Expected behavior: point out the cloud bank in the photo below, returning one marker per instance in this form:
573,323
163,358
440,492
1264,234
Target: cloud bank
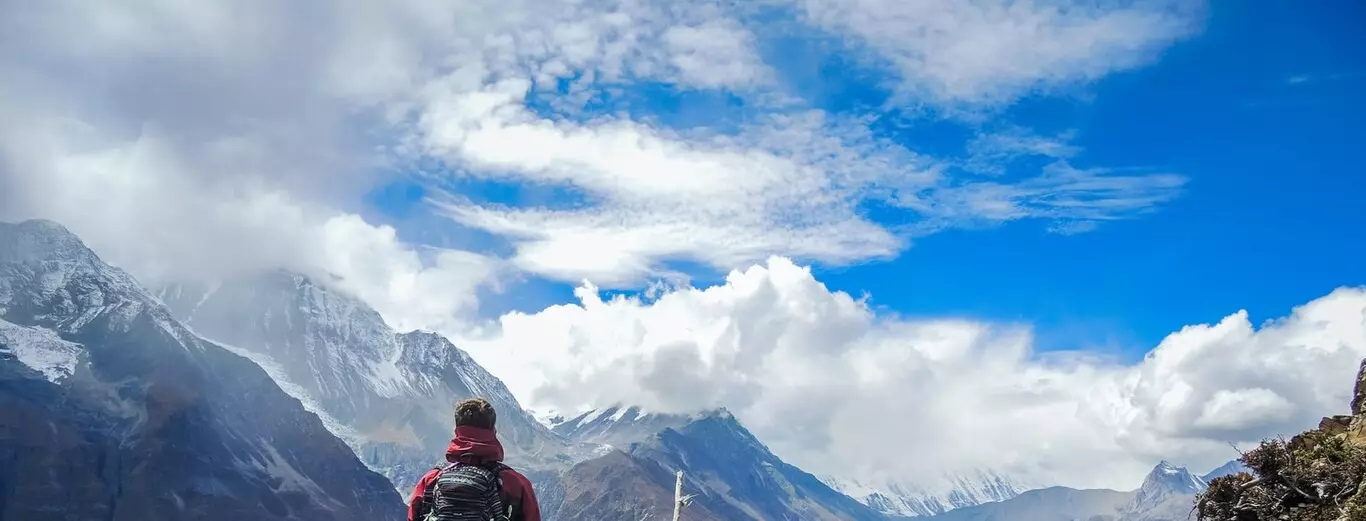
821,378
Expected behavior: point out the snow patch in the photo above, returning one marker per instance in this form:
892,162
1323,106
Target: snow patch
41,350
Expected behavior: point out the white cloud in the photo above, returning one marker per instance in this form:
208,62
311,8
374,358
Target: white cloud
1075,200
993,153
989,52
300,103
791,184
134,204
821,377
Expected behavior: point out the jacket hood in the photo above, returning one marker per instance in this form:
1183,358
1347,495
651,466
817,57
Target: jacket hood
474,444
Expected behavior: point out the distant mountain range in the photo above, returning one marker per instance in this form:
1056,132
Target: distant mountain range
1167,494
285,398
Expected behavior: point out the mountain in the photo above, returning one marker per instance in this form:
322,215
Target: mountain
733,475
620,426
1048,504
1168,494
951,492
111,409
390,394
1228,469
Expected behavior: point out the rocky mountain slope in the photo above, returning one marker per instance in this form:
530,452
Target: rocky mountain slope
733,475
111,409
389,393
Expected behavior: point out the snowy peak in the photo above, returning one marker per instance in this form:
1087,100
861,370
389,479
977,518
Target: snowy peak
621,425
950,492
1171,479
40,240
48,277
1167,490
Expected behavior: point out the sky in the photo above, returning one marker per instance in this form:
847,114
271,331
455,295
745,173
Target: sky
1131,225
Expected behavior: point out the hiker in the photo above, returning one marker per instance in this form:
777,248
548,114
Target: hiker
474,484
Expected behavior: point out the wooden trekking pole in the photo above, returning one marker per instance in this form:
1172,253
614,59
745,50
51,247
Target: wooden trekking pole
678,495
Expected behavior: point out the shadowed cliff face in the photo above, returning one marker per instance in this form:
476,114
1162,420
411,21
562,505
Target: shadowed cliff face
112,410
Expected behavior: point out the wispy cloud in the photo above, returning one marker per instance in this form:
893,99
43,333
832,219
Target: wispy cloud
950,52
993,153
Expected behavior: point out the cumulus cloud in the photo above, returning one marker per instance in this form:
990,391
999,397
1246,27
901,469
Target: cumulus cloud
990,52
821,377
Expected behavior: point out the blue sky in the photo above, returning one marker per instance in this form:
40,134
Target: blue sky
1264,124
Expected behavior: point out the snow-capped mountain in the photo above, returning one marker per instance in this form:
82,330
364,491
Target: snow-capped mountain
113,410
389,393
1167,493
619,426
1047,504
950,491
733,475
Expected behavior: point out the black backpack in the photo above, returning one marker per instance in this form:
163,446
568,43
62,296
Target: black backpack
467,492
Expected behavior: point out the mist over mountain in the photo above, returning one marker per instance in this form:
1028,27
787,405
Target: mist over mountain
111,409
390,394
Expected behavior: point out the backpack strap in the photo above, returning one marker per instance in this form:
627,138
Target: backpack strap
512,507
429,493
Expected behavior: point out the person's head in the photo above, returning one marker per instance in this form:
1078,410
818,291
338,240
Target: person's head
475,412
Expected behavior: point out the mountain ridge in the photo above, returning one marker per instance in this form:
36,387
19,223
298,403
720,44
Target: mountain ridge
392,391
730,472
95,369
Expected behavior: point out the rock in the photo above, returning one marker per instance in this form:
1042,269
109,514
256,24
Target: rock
1359,392
1335,424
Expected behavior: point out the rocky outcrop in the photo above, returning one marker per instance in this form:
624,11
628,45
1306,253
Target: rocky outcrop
1359,392
1318,475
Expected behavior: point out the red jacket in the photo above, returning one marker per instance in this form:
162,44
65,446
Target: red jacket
472,444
